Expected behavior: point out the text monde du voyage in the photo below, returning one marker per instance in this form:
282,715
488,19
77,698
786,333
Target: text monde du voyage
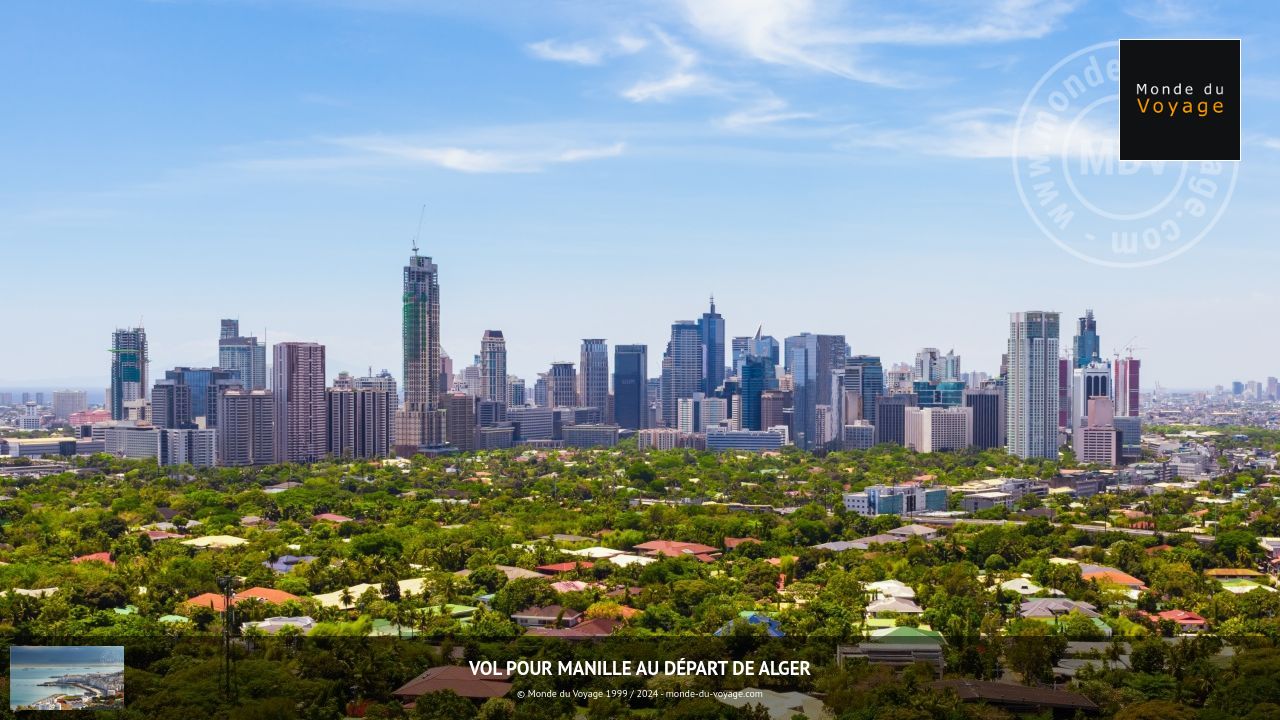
633,668
1180,99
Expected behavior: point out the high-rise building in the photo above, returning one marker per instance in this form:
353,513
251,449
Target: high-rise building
949,366
753,382
593,375
1032,386
243,355
460,421
417,423
739,348
246,427
1096,440
1128,386
128,369
202,382
562,382
187,446
868,375
988,406
630,386
938,429
68,402
811,359
493,367
928,368
891,418
516,392
774,407
171,405
681,368
711,338
1086,347
340,418
298,379
1065,367
1087,382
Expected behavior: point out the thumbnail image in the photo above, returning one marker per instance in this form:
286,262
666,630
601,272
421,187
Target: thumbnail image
72,677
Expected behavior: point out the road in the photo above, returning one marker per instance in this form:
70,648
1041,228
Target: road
950,522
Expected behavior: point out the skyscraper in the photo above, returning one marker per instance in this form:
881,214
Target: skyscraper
871,383
988,406
753,381
630,386
593,374
417,423
1032,386
891,418
681,368
1088,382
811,359
128,369
171,405
562,382
1086,346
460,421
1128,386
493,367
203,382
300,409
242,355
711,338
245,434
928,368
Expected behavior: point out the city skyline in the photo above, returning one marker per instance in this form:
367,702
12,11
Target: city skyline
656,150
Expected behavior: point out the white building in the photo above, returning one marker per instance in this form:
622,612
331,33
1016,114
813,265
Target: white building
937,429
1032,384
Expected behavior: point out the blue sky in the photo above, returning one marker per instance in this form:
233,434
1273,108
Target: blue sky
589,170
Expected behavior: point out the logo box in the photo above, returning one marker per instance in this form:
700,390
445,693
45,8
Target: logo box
1179,100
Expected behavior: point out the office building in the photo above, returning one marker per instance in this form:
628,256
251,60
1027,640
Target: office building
1130,437
681,368
298,389
630,386
861,435
1087,346
938,429
988,406
460,421
1032,385
720,439
128,369
131,440
202,382
68,402
865,375
591,435
1097,440
593,375
497,437
711,338
244,356
1065,368
810,360
246,427
1128,386
891,418
171,405
753,381
775,407
562,385
1088,382
493,368
895,500
927,369
532,423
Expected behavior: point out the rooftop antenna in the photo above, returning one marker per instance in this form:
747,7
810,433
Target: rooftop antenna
418,234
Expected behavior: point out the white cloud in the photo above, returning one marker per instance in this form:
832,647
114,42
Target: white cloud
989,133
767,111
587,53
682,79
470,160
828,37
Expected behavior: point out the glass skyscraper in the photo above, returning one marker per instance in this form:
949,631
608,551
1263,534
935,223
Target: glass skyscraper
711,337
128,369
630,386
417,423
1087,343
